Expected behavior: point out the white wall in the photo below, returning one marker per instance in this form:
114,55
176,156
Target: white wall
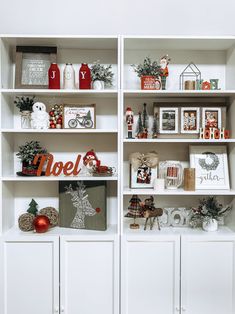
160,17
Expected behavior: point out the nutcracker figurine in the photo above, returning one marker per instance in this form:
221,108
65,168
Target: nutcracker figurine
164,67
129,121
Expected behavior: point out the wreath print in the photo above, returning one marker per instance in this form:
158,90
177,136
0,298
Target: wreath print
211,165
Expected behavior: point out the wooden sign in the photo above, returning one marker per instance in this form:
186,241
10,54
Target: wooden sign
69,168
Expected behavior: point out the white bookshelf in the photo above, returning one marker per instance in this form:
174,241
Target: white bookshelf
115,247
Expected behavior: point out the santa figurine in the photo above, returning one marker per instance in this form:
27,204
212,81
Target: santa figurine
164,68
90,161
129,121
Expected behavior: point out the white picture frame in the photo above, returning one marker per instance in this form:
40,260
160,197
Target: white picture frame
168,120
190,120
134,184
216,117
211,164
79,116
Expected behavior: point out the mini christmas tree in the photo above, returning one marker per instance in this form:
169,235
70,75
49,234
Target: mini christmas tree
139,127
155,126
134,211
145,117
33,207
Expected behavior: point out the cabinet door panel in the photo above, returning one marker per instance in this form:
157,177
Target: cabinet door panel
150,278
208,275
88,277
31,276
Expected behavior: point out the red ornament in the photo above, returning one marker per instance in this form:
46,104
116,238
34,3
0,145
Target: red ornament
84,77
59,121
51,113
52,126
98,210
41,223
54,76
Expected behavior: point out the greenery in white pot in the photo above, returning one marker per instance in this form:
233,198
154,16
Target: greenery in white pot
24,103
208,212
101,73
148,68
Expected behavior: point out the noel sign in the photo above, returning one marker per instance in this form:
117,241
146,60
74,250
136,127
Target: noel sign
211,167
56,168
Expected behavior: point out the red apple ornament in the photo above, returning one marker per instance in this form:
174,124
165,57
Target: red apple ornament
41,223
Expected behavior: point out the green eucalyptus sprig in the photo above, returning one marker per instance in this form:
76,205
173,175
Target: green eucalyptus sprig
24,103
147,68
102,73
28,151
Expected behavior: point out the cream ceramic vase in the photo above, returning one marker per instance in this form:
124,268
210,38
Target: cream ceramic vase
98,85
210,224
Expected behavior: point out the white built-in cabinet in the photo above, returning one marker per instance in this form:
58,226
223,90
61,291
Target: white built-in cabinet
119,270
178,274
59,275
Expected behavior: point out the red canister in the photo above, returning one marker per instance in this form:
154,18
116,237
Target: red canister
54,76
84,77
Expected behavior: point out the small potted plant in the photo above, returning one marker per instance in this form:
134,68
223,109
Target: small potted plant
209,212
101,75
26,154
149,73
25,105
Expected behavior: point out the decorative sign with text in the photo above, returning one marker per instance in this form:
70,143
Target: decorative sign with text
56,168
211,165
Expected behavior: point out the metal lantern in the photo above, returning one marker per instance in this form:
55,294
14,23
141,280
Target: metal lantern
190,74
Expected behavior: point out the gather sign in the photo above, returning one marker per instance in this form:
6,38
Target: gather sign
56,168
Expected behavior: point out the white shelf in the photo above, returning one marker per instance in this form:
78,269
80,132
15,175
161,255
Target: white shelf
61,92
56,131
178,140
128,191
177,93
110,232
58,178
169,231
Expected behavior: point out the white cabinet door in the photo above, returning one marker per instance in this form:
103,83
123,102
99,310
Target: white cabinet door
150,275
89,276
29,275
208,275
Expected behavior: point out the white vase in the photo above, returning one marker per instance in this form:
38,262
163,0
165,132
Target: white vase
97,84
210,224
69,76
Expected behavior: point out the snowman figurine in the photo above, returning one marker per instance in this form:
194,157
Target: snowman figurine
39,116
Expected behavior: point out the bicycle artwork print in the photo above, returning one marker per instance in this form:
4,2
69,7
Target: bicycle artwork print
79,116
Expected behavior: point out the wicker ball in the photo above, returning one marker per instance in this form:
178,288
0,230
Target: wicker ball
52,214
25,222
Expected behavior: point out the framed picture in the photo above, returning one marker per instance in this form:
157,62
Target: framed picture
79,117
211,118
211,164
143,177
32,65
83,204
168,120
190,120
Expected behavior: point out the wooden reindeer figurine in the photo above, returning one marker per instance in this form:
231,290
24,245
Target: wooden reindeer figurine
151,213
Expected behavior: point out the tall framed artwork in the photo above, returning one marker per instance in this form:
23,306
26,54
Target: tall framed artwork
211,164
168,118
83,204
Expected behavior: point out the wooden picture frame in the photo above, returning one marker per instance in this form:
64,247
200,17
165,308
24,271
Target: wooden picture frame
190,120
32,65
168,120
212,117
79,116
211,164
